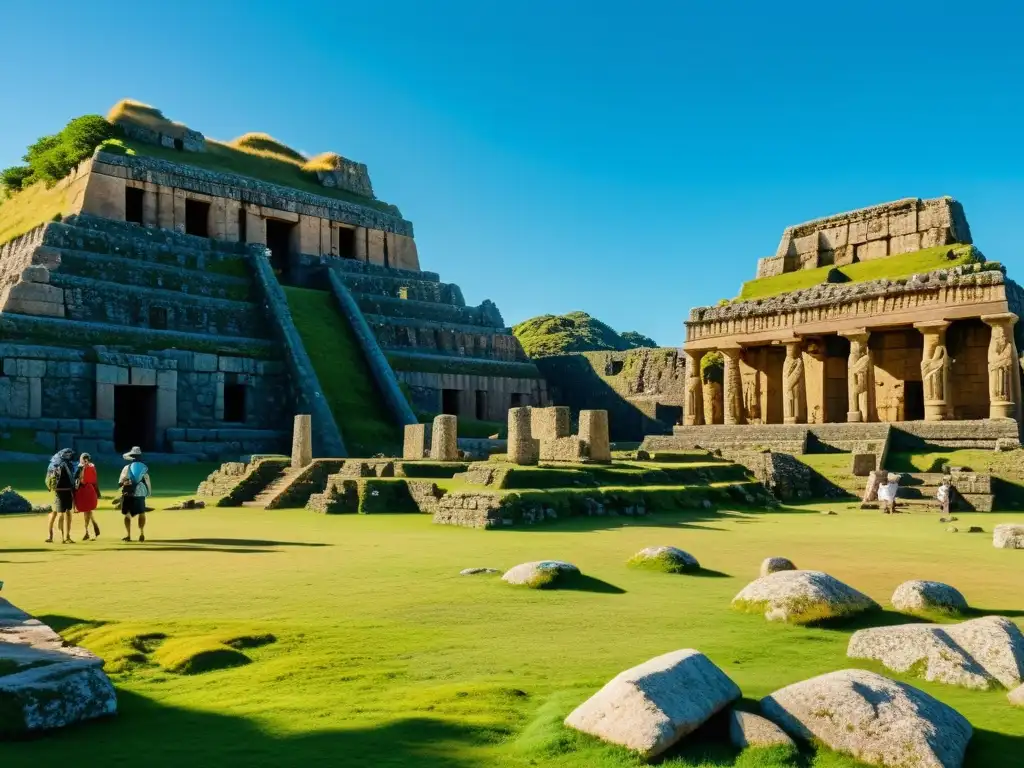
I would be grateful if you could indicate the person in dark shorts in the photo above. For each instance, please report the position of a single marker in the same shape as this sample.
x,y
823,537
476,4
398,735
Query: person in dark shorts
x,y
136,487
60,478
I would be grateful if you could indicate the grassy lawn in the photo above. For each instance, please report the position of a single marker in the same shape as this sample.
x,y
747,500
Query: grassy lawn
x,y
892,267
29,208
352,639
361,413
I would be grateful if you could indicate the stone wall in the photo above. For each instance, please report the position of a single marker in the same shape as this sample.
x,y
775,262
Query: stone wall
x,y
426,390
882,230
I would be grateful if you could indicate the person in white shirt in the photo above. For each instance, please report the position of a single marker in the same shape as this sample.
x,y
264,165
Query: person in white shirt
x,y
136,487
887,495
944,495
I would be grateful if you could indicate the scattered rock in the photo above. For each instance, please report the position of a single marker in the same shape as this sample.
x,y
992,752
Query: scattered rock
x,y
748,730
539,574
949,519
916,596
189,504
952,529
772,565
652,706
475,571
828,512
872,718
975,529
978,654
13,503
1008,536
800,597
1016,697
668,559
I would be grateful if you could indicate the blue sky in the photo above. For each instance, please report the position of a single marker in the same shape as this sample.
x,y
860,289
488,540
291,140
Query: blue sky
x,y
630,160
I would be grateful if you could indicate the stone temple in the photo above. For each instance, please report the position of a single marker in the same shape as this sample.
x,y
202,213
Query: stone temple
x,y
150,310
883,316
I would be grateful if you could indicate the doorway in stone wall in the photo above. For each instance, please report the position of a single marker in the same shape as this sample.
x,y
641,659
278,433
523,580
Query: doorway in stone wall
x,y
450,402
346,242
134,418
913,401
197,218
279,237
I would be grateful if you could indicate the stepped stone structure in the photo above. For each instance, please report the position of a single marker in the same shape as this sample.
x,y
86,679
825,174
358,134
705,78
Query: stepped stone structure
x,y
152,312
939,347
543,434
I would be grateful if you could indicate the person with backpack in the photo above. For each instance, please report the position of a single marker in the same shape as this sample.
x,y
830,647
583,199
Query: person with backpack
x,y
87,493
136,487
60,476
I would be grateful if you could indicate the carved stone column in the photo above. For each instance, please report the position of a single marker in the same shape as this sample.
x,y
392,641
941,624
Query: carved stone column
x,y
1003,368
858,372
732,386
694,413
793,383
935,369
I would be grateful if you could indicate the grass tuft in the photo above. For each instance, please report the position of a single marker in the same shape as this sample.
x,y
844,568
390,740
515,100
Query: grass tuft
x,y
265,145
325,161
197,655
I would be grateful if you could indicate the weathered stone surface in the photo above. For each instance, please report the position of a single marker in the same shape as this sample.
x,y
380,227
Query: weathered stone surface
x,y
1016,696
800,597
669,559
13,503
444,438
302,441
538,574
594,432
1008,536
750,730
772,565
522,447
477,571
915,596
414,443
565,449
973,654
862,464
872,718
652,706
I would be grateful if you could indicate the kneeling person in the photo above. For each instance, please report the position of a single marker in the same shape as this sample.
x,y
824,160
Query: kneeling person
x,y
135,489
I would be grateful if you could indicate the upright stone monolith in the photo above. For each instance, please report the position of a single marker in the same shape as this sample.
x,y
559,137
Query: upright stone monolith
x,y
444,438
594,432
415,442
302,441
550,423
522,448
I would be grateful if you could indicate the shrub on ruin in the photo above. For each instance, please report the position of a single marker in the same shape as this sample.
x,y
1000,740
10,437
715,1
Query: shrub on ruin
x,y
51,158
15,178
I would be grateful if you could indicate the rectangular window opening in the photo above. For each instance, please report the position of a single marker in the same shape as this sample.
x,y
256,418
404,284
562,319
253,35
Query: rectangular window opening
x,y
481,405
197,218
234,402
346,243
450,402
133,197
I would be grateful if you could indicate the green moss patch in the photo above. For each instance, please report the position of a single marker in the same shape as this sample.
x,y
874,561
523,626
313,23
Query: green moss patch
x,y
197,655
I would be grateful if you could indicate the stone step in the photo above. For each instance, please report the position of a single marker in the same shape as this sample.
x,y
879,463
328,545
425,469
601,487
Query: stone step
x,y
153,235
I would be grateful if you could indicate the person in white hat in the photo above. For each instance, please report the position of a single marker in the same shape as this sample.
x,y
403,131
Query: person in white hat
x,y
136,487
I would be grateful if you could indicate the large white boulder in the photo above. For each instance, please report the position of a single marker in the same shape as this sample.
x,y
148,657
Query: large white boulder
x,y
541,573
1008,536
980,653
668,559
750,730
919,596
652,706
872,718
800,597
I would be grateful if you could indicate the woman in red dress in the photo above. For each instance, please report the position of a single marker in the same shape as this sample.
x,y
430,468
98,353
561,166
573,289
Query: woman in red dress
x,y
87,493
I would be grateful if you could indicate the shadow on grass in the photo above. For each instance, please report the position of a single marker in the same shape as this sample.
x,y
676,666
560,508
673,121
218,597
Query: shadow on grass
x,y
246,543
60,623
152,546
979,613
708,573
691,519
868,620
226,741
580,582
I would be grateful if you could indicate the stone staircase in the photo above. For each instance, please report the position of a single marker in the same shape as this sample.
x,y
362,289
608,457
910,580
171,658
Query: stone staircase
x,y
274,490
973,491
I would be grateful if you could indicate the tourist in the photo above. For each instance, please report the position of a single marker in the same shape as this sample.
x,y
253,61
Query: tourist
x,y
945,495
60,479
887,493
136,487
87,494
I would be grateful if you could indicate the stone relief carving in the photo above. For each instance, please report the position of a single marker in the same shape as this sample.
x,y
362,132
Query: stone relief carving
x,y
1000,365
934,373
859,376
792,382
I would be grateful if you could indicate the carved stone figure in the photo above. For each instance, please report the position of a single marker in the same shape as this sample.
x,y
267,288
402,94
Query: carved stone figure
x,y
792,384
859,374
731,387
752,400
934,372
712,402
694,414
1000,365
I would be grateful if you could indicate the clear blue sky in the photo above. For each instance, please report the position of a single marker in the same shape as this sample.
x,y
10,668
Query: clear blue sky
x,y
627,159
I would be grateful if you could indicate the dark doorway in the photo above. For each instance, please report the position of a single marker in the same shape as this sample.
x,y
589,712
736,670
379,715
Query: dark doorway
x,y
134,418
279,237
346,243
242,234
481,405
158,318
913,401
837,353
450,401
197,218
133,197
234,402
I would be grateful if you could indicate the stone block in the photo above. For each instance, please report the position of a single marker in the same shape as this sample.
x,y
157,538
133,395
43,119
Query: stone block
x,y
106,446
878,227
87,445
414,442
236,365
905,243
835,237
444,438
302,440
143,377
65,440
35,299
35,398
549,423
874,250
862,464
35,273
14,397
808,244
111,374
902,223
104,401
844,255
28,368
46,440
858,232
167,379
69,425
98,428
570,449
594,432
204,362
933,237
522,447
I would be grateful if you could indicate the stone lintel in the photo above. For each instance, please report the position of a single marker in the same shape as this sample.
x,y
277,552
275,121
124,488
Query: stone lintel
x,y
999,318
932,326
856,334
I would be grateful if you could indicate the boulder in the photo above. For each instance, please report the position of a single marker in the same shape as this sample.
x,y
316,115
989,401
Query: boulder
x,y
775,564
800,597
873,719
916,596
1008,536
749,730
1016,696
539,574
13,503
475,571
650,707
668,559
979,654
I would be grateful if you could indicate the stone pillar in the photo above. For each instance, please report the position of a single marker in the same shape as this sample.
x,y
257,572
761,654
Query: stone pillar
x,y
302,441
414,442
594,432
550,423
793,383
694,413
150,215
522,448
1003,368
859,377
731,386
444,438
935,369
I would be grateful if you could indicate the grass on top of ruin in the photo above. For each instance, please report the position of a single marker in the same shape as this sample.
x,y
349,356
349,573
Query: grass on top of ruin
x,y
891,267
23,211
354,638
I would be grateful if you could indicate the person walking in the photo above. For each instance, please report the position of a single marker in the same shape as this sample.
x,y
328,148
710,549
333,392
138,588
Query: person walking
x,y
887,494
945,496
136,487
60,480
87,494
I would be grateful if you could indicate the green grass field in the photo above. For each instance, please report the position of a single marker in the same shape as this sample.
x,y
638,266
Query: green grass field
x,y
365,423
353,639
